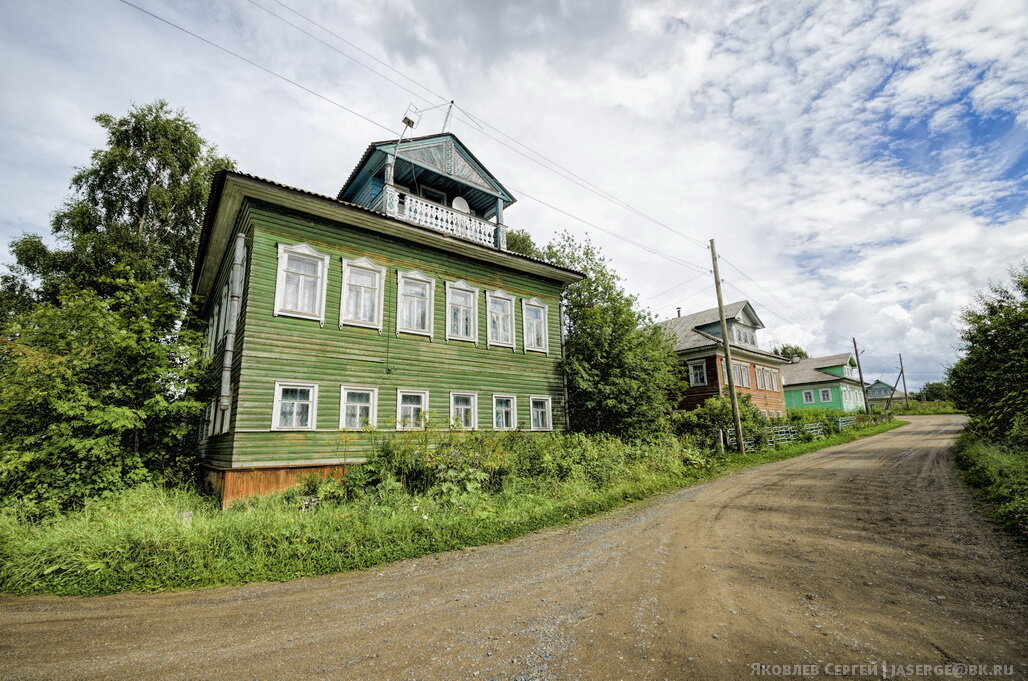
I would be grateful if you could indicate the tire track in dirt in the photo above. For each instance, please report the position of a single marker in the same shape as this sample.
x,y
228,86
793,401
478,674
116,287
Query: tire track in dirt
x,y
867,551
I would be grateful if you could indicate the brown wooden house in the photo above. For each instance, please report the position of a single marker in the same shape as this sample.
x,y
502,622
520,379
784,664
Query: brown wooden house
x,y
757,372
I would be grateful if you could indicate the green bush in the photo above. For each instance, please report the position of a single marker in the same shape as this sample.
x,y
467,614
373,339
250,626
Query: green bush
x,y
999,475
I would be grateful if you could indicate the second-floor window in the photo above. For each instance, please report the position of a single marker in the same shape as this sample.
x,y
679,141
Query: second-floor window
x,y
302,278
697,373
414,302
461,311
534,315
362,293
500,308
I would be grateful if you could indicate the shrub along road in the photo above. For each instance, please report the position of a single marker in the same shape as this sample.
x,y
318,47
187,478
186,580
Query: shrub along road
x,y
864,552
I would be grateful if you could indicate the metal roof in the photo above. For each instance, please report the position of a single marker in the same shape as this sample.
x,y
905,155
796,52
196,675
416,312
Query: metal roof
x,y
812,370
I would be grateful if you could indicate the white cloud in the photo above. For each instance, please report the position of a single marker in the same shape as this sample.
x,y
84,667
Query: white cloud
x,y
783,130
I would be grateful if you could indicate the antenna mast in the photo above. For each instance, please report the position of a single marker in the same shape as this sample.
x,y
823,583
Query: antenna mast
x,y
446,121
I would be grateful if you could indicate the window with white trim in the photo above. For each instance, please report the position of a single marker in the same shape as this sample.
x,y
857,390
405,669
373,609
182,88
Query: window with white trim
x,y
826,394
296,406
774,380
362,296
464,410
761,373
500,318
808,397
302,281
358,407
411,409
741,374
505,412
461,311
541,413
698,373
534,321
414,302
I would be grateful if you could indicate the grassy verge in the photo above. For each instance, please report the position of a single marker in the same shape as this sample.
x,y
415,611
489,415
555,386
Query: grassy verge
x,y
935,408
138,540
998,475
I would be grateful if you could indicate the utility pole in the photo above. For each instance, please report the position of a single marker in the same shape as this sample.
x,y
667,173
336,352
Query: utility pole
x,y
728,352
860,372
905,399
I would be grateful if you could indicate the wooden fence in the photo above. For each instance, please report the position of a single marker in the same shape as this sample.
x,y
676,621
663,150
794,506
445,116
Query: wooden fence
x,y
783,435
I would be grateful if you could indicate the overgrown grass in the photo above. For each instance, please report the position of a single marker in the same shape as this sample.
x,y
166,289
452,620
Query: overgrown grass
x,y
914,407
999,476
139,541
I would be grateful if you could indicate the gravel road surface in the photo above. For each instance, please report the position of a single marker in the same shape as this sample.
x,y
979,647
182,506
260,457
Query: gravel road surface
x,y
859,554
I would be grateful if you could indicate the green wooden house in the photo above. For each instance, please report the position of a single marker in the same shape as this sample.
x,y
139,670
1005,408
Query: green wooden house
x,y
336,321
823,382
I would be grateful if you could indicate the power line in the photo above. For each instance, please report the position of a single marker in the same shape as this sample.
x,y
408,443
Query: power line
x,y
380,125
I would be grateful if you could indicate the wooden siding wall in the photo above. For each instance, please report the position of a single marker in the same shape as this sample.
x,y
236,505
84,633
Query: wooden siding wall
x,y
772,401
291,349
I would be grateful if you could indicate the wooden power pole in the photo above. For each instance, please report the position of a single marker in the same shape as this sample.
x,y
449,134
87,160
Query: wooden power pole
x,y
728,352
904,375
860,373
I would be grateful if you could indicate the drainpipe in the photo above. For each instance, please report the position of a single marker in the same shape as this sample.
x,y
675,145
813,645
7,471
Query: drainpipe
x,y
563,371
235,296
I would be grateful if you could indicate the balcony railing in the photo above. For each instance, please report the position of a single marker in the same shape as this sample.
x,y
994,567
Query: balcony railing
x,y
441,218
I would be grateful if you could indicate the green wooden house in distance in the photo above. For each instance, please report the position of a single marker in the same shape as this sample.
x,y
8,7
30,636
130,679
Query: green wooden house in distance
x,y
393,306
823,382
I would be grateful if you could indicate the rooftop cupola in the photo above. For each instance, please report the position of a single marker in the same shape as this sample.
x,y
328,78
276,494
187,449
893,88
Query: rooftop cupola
x,y
432,181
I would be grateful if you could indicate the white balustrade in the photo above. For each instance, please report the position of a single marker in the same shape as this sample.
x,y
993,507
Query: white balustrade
x,y
438,217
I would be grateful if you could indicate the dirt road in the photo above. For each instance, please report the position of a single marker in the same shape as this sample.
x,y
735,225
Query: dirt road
x,y
866,552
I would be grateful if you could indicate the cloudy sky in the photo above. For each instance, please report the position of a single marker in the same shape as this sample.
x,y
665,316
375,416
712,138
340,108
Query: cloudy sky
x,y
862,164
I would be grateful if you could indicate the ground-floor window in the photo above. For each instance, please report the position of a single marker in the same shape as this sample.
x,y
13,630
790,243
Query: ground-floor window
x,y
826,394
296,406
504,412
411,409
808,397
541,416
463,409
358,407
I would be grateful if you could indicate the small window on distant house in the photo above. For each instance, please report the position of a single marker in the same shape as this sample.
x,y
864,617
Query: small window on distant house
x,y
363,288
808,397
358,407
302,278
411,409
504,412
463,410
414,302
534,317
461,311
295,406
541,414
698,373
826,394
500,308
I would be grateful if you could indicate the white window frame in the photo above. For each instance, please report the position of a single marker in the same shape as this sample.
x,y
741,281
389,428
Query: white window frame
x,y
702,364
370,266
275,414
400,392
549,411
744,374
501,295
419,276
806,394
373,421
464,287
307,251
513,411
822,394
761,376
474,408
535,302
774,380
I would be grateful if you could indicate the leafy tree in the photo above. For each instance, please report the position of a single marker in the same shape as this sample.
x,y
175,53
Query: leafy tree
x,y
989,381
933,391
137,205
520,241
101,375
94,396
790,351
623,375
